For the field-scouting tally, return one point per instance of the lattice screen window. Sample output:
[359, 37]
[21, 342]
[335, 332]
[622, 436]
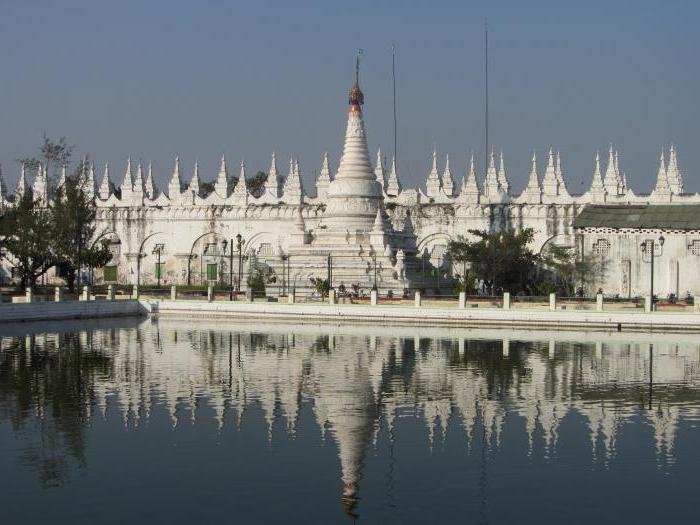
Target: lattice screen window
[694, 247]
[438, 251]
[211, 249]
[602, 247]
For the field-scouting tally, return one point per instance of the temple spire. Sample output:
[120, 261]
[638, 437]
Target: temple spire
[128, 182]
[193, 187]
[150, 186]
[175, 184]
[241, 188]
[662, 187]
[221, 184]
[611, 180]
[550, 183]
[393, 187]
[138, 181]
[432, 183]
[21, 183]
[597, 186]
[448, 183]
[105, 185]
[533, 193]
[324, 178]
[673, 173]
[560, 176]
[502, 177]
[379, 170]
[470, 186]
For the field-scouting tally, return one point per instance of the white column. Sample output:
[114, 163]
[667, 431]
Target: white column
[173, 293]
[599, 302]
[417, 299]
[291, 296]
[86, 293]
[462, 299]
[135, 292]
[29, 294]
[110, 292]
[58, 294]
[331, 296]
[552, 302]
[373, 297]
[647, 304]
[210, 293]
[506, 300]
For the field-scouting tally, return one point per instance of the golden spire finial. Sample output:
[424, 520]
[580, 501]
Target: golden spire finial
[357, 98]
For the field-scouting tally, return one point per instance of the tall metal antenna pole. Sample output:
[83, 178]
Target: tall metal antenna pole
[486, 91]
[393, 80]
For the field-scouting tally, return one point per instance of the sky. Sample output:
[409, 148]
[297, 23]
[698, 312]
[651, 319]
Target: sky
[154, 80]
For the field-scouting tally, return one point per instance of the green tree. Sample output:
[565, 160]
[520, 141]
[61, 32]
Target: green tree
[566, 269]
[502, 259]
[52, 154]
[256, 183]
[74, 240]
[322, 286]
[27, 238]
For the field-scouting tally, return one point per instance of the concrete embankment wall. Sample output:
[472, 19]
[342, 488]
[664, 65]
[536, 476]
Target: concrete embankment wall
[51, 311]
[492, 317]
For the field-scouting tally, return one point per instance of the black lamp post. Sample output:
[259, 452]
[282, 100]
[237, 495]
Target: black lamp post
[647, 247]
[239, 242]
[158, 250]
[225, 243]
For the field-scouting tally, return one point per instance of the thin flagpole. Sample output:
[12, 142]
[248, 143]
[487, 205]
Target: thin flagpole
[486, 90]
[393, 80]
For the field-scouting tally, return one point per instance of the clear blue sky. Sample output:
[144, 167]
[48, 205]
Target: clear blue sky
[197, 79]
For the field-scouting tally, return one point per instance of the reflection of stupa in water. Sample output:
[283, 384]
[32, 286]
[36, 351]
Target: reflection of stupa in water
[358, 383]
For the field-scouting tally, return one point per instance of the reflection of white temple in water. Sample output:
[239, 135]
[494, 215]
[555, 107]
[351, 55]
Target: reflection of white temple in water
[356, 383]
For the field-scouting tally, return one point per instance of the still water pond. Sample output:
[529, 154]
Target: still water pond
[196, 421]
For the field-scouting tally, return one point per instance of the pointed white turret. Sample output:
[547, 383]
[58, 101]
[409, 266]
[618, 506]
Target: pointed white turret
[293, 191]
[532, 194]
[502, 177]
[448, 183]
[63, 177]
[138, 182]
[492, 189]
[662, 188]
[175, 184]
[324, 179]
[393, 187]
[673, 173]
[432, 183]
[105, 185]
[89, 184]
[379, 170]
[611, 180]
[193, 187]
[378, 235]
[150, 186]
[40, 187]
[550, 183]
[272, 185]
[241, 189]
[560, 176]
[21, 183]
[470, 186]
[221, 184]
[127, 185]
[597, 190]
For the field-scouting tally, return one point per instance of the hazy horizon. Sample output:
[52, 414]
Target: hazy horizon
[198, 80]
